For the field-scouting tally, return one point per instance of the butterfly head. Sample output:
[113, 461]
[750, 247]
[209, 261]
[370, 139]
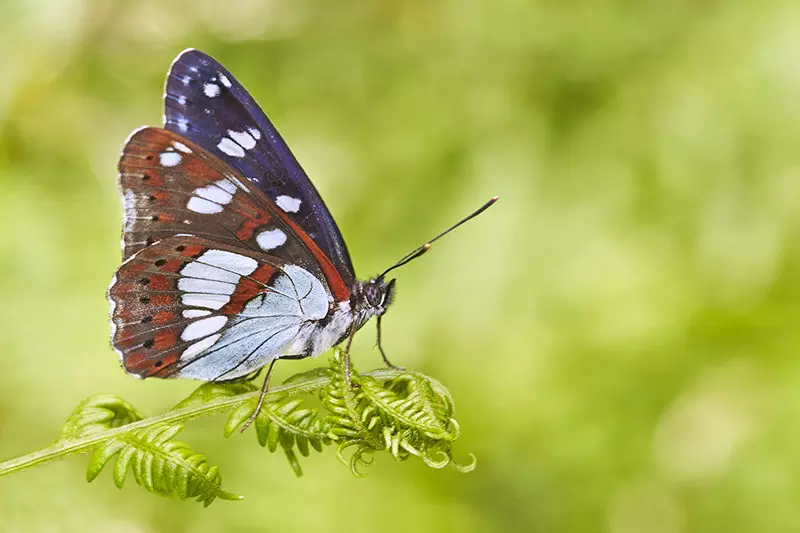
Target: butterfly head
[376, 295]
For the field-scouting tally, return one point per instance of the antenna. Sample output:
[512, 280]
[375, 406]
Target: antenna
[427, 246]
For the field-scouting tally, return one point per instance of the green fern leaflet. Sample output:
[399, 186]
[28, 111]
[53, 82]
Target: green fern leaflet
[405, 414]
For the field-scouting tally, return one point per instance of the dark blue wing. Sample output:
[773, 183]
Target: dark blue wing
[207, 105]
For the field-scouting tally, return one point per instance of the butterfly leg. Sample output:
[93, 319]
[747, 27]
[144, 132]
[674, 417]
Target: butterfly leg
[265, 387]
[380, 347]
[260, 404]
[347, 359]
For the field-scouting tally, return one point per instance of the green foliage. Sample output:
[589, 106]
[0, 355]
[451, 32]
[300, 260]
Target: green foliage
[285, 421]
[408, 415]
[98, 413]
[402, 413]
[159, 463]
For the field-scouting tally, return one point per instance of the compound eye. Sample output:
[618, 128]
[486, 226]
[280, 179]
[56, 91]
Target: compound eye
[373, 294]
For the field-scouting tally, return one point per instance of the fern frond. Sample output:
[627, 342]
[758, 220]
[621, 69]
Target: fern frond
[211, 391]
[409, 401]
[97, 413]
[285, 421]
[352, 421]
[401, 413]
[405, 416]
[160, 464]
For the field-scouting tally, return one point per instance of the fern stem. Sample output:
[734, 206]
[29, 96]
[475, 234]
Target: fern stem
[177, 416]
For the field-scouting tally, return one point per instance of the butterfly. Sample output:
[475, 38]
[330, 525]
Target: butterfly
[231, 260]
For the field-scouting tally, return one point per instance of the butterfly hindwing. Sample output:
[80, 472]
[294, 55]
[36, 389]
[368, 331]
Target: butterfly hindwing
[207, 105]
[190, 307]
[171, 186]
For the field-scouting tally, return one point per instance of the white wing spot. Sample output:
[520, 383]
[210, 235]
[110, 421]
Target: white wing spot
[200, 270]
[129, 211]
[130, 200]
[224, 79]
[169, 159]
[113, 306]
[229, 147]
[179, 146]
[240, 264]
[211, 90]
[215, 194]
[182, 100]
[203, 328]
[270, 239]
[209, 301]
[227, 185]
[195, 313]
[200, 346]
[255, 133]
[201, 205]
[288, 204]
[242, 138]
[206, 286]
[182, 124]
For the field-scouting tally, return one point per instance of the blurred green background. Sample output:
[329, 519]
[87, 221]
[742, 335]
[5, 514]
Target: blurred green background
[619, 332]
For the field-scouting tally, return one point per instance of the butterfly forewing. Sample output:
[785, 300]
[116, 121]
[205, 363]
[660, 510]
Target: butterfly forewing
[191, 307]
[171, 186]
[207, 105]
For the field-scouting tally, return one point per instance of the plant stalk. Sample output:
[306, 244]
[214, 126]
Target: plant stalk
[185, 414]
